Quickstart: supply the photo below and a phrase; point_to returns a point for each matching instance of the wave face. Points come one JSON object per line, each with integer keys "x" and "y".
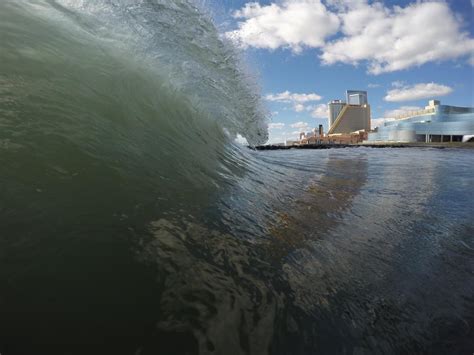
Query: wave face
{"x": 143, "y": 87}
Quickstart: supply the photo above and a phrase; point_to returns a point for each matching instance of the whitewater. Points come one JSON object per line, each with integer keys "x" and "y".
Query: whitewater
{"x": 132, "y": 223}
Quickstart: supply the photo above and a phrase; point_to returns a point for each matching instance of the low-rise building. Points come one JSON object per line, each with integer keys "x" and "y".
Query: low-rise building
{"x": 436, "y": 123}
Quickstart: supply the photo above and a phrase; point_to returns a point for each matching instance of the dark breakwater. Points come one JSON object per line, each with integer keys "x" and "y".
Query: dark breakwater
{"x": 366, "y": 145}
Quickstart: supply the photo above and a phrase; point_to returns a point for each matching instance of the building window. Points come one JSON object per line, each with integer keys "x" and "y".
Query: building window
{"x": 421, "y": 138}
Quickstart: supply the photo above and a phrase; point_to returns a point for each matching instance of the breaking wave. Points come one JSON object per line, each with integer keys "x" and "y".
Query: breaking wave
{"x": 144, "y": 88}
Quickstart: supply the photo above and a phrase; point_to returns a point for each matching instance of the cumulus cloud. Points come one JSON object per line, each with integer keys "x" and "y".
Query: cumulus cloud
{"x": 293, "y": 24}
{"x": 319, "y": 111}
{"x": 391, "y": 39}
{"x": 299, "y": 107}
{"x": 343, "y": 5}
{"x": 276, "y": 125}
{"x": 417, "y": 92}
{"x": 289, "y": 97}
{"x": 385, "y": 38}
{"x": 302, "y": 126}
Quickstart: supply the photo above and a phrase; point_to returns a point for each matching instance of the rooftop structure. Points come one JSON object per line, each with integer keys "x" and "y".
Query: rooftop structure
{"x": 356, "y": 97}
{"x": 436, "y": 123}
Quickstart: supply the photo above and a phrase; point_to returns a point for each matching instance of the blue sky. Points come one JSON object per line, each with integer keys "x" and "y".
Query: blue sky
{"x": 308, "y": 52}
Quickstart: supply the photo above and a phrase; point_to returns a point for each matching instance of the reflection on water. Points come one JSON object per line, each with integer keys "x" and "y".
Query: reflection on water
{"x": 311, "y": 215}
{"x": 214, "y": 289}
{"x": 337, "y": 268}
{"x": 348, "y": 251}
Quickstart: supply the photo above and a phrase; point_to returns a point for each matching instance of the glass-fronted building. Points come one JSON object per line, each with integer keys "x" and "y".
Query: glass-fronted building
{"x": 436, "y": 123}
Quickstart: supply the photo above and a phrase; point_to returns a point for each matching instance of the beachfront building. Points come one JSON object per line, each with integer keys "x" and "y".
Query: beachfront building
{"x": 436, "y": 123}
{"x": 351, "y": 115}
{"x": 348, "y": 122}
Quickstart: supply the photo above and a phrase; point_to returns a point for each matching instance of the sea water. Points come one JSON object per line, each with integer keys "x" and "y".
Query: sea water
{"x": 131, "y": 223}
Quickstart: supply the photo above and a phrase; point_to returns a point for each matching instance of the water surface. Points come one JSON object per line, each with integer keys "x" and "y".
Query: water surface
{"x": 324, "y": 251}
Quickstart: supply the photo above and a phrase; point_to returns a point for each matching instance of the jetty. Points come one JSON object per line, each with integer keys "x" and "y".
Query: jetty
{"x": 441, "y": 145}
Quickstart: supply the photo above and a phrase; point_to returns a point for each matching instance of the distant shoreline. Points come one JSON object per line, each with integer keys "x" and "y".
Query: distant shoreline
{"x": 468, "y": 145}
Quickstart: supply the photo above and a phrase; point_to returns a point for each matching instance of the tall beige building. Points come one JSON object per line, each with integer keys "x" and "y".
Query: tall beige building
{"x": 350, "y": 116}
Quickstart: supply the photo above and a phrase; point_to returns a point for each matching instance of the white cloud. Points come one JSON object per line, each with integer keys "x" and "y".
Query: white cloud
{"x": 417, "y": 92}
{"x": 299, "y": 107}
{"x": 401, "y": 111}
{"x": 292, "y": 24}
{"x": 302, "y": 126}
{"x": 387, "y": 39}
{"x": 391, "y": 39}
{"x": 276, "y": 125}
{"x": 275, "y": 113}
{"x": 298, "y": 100}
{"x": 373, "y": 86}
{"x": 290, "y": 97}
{"x": 342, "y": 5}
{"x": 320, "y": 111}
